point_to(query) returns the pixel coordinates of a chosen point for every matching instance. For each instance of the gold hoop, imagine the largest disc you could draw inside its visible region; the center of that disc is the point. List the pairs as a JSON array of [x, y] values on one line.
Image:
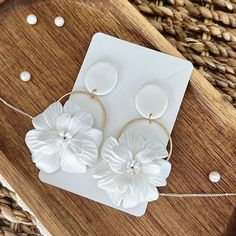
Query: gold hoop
[[92, 96], [150, 121]]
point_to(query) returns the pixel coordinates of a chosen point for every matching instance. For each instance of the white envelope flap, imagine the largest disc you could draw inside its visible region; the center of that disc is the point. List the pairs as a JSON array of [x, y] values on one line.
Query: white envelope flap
[[166, 66]]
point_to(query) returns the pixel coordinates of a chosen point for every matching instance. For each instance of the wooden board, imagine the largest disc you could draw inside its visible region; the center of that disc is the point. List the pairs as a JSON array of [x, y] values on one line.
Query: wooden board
[[204, 135]]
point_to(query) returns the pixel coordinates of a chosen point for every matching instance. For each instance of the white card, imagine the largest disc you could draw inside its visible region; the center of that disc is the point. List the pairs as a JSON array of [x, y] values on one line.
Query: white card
[[136, 66]]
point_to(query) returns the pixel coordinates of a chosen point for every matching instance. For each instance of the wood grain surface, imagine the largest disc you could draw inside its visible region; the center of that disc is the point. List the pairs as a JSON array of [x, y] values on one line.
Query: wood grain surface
[[204, 135]]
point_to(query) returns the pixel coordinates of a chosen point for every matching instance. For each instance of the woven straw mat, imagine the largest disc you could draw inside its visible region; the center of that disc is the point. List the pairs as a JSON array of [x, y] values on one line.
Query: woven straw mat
[[204, 32], [13, 219]]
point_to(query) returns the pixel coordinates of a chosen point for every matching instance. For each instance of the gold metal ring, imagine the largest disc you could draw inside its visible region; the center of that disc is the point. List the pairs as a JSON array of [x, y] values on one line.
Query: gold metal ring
[[150, 121], [92, 96]]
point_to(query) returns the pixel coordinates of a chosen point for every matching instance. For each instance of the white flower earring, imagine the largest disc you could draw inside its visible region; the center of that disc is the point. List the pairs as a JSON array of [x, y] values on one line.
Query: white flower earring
[[132, 167], [64, 136]]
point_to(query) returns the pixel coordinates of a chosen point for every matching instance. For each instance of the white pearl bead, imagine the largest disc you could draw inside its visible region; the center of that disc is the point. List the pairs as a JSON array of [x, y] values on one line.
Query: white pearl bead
[[214, 176], [32, 19], [59, 21], [25, 76]]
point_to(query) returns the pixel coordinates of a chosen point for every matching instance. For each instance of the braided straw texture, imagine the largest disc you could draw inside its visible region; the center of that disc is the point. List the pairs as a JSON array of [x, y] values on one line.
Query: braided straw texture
[[14, 220], [204, 32]]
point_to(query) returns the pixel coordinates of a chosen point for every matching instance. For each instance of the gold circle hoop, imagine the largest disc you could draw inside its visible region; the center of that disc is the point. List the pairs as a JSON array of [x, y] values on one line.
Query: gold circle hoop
[[92, 96], [150, 121]]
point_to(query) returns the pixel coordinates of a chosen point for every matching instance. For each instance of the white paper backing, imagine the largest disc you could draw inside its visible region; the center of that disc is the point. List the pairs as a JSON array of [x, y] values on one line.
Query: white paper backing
[[136, 66]]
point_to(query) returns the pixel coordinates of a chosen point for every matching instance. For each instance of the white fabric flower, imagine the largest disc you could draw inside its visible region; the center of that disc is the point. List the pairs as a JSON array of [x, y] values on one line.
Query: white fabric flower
[[64, 138], [131, 168]]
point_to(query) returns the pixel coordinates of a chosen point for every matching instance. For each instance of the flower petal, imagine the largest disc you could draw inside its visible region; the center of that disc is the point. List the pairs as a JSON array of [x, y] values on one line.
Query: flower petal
[[146, 156], [157, 181], [40, 123], [140, 192], [106, 150], [138, 188], [86, 119], [32, 141], [115, 197], [106, 176], [160, 179], [136, 194], [86, 150], [63, 121], [48, 141], [122, 182], [36, 156], [80, 121], [107, 183], [42, 141], [74, 124], [152, 193], [130, 200], [151, 169], [132, 141], [165, 168], [119, 158], [51, 114], [47, 163], [102, 169], [121, 154], [157, 146], [70, 162], [92, 134], [71, 107]]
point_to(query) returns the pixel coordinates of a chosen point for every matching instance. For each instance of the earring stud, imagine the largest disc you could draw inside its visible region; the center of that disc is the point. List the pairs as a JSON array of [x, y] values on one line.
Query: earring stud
[[103, 76], [151, 99]]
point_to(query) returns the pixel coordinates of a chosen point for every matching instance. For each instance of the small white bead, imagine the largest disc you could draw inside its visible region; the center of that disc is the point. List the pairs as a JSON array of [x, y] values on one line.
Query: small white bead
[[32, 19], [59, 21], [214, 176], [25, 76]]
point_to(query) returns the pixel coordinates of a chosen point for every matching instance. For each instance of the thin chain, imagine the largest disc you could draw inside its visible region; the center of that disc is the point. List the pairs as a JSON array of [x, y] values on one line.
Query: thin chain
[[16, 109], [177, 195], [187, 195]]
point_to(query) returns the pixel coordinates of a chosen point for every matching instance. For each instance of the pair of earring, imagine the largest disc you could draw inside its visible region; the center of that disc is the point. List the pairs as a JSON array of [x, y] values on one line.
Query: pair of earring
[[32, 20], [131, 166]]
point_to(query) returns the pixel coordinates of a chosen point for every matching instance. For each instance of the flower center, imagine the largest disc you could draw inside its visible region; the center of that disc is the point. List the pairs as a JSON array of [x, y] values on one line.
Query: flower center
[[64, 138], [133, 167]]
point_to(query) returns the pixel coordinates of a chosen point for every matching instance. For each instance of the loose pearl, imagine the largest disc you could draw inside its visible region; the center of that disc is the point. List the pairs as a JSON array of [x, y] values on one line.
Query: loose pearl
[[214, 177], [32, 19], [25, 76], [59, 21]]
